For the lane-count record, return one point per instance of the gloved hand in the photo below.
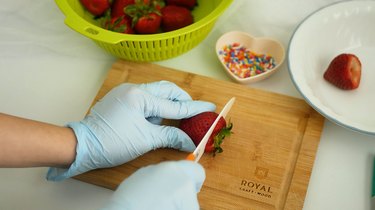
(165, 186)
(119, 127)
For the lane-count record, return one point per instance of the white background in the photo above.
(50, 73)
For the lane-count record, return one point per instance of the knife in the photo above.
(198, 152)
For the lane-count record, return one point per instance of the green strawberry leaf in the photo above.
(219, 138)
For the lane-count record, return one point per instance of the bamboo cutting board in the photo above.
(266, 163)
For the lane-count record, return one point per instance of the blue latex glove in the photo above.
(165, 186)
(121, 126)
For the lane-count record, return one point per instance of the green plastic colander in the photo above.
(152, 47)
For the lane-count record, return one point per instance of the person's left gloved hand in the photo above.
(121, 126)
(171, 185)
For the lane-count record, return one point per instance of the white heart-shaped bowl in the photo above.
(260, 45)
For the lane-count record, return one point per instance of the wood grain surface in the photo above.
(266, 163)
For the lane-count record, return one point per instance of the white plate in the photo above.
(344, 27)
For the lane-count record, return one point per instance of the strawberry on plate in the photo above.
(197, 126)
(175, 17)
(190, 4)
(118, 7)
(344, 72)
(96, 7)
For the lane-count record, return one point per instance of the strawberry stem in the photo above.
(141, 8)
(219, 138)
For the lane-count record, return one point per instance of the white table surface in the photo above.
(50, 73)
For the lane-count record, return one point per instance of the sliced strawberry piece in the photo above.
(344, 72)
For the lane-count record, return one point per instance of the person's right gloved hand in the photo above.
(123, 125)
(169, 185)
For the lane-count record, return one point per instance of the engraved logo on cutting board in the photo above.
(261, 172)
(255, 187)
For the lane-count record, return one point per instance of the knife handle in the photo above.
(191, 157)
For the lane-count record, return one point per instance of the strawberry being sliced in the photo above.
(175, 17)
(197, 126)
(96, 7)
(118, 7)
(344, 72)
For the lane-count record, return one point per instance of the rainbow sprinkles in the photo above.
(245, 63)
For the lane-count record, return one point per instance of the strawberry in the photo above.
(96, 7)
(197, 126)
(121, 24)
(190, 4)
(175, 17)
(158, 4)
(145, 16)
(148, 24)
(344, 72)
(118, 7)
